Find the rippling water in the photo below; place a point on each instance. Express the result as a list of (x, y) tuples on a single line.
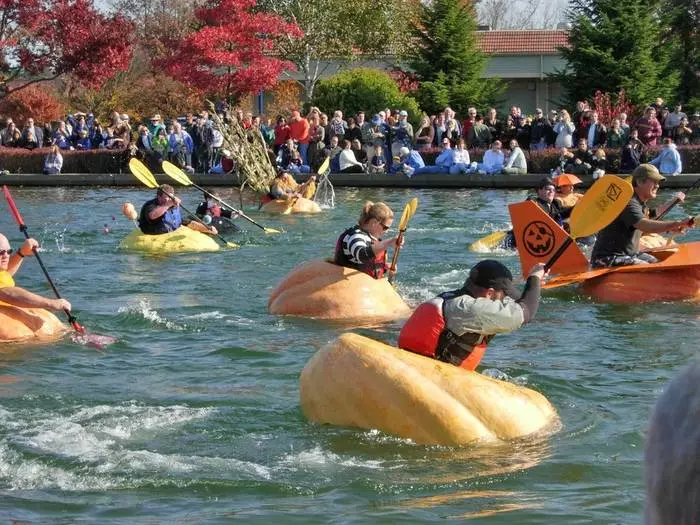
[(193, 416)]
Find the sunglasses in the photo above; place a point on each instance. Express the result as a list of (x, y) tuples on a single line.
[(6, 252), (384, 226)]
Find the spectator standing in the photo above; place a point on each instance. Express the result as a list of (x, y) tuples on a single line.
[(282, 133), (332, 151), (96, 138), (649, 128), (451, 115), (668, 161), (616, 137), (564, 130), (631, 153), (579, 114), (53, 162), (153, 124), (316, 144), (181, 147), (268, 133), (595, 134), (495, 126), (516, 164), (673, 120), (682, 134), (440, 128), (540, 132), (299, 131), (468, 123), (479, 134), (337, 126), (32, 136), (625, 127), (161, 145), (353, 132), (423, 137), (61, 137), (48, 135), (11, 136)]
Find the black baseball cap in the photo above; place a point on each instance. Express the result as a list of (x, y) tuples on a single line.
[(493, 274), (544, 182)]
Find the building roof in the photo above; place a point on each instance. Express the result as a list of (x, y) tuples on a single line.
[(530, 42)]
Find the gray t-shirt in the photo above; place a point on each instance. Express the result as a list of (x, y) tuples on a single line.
[(620, 237), (482, 315)]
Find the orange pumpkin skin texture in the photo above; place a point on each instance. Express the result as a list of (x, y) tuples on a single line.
[(323, 290), (29, 324), (301, 205), (362, 383)]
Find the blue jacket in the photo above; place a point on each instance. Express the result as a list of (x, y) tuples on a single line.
[(186, 139), (446, 158), (414, 160), (668, 160)]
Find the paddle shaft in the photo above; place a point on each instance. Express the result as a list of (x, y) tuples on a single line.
[(23, 228), (197, 219), (239, 212), (676, 201), (395, 257), (556, 255)]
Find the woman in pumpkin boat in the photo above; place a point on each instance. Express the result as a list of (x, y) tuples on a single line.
[(361, 247)]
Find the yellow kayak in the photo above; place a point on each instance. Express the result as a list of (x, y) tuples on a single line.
[(358, 382), (182, 240), (29, 324)]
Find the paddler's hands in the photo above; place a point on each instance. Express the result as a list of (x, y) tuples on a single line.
[(679, 196), (174, 202), (681, 226), (538, 271), (60, 304), (28, 247), (213, 230)]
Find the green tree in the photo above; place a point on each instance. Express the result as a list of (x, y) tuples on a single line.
[(363, 89), (684, 32), (446, 58), (337, 33), (617, 45)]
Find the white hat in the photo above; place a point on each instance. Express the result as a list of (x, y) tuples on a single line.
[(404, 151), (226, 153), (403, 113)]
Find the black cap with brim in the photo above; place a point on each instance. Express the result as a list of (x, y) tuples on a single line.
[(493, 274)]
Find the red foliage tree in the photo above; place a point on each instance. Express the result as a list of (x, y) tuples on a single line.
[(44, 39), (610, 106), (40, 103), (232, 54), (407, 82)]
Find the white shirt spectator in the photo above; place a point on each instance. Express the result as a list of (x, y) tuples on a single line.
[(493, 159), (461, 156), (347, 159), (516, 159)]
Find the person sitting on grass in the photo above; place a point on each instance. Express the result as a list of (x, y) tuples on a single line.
[(409, 162), (10, 293)]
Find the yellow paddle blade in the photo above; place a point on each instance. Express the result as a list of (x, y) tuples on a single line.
[(141, 172), (271, 230), (176, 173), (489, 242), (324, 166), (408, 212), (600, 205)]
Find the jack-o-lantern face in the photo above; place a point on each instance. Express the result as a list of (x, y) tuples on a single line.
[(538, 239)]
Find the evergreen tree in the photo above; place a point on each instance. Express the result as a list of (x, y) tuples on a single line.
[(684, 33), (617, 44), (446, 58)]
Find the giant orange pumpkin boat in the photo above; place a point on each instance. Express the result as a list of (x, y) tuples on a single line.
[(675, 277), (323, 290)]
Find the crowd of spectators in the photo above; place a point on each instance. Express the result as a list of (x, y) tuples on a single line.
[(386, 142)]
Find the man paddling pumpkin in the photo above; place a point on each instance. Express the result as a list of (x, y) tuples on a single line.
[(10, 261), (456, 326), (618, 243), (162, 215)]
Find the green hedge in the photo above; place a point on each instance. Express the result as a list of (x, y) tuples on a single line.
[(20, 160)]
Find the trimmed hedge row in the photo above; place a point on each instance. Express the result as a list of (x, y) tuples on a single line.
[(19, 160)]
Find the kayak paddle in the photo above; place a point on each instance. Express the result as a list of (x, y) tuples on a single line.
[(677, 200), (141, 172), (94, 340), (599, 206), (408, 212), (180, 176)]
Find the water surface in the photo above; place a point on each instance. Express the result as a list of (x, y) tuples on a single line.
[(193, 416)]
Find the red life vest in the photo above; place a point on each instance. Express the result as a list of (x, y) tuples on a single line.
[(426, 333)]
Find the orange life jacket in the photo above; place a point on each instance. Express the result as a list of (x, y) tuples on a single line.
[(426, 333)]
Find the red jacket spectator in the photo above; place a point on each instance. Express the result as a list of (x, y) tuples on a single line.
[(649, 128), (299, 128), (282, 132)]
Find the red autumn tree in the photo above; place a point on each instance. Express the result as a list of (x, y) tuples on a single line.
[(44, 39), (232, 55), (40, 103)]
